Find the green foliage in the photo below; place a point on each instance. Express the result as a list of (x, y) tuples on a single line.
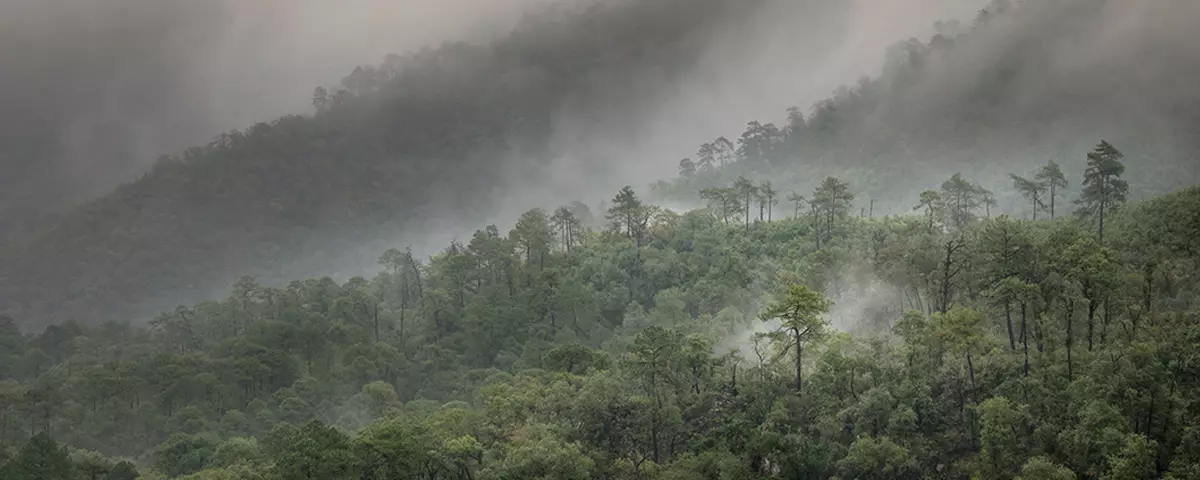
[(41, 458), (1032, 190), (377, 155), (1042, 468), (123, 470), (236, 451), (560, 352), (629, 215), (1103, 188), (91, 465), (800, 313), (1002, 427), (877, 459), (960, 200), (831, 200), (1050, 177), (183, 454), (1137, 459), (534, 356), (931, 204), (314, 451), (575, 358), (1186, 463), (537, 454), (399, 446)]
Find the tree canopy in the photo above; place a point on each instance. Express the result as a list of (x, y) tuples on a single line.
[(957, 339), (704, 348)]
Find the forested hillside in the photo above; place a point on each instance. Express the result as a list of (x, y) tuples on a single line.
[(1023, 83), (439, 133), (775, 335), (979, 264), (428, 141)]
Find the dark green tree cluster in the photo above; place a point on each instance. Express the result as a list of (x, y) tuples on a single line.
[(661, 345)]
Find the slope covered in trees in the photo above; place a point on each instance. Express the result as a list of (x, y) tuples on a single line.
[(1022, 83), (434, 133), (736, 341), (441, 135)]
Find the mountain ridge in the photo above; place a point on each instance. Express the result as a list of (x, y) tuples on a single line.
[(972, 97)]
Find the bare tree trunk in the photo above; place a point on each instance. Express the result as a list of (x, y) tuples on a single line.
[(417, 275), (1148, 287), (747, 211), (1070, 337), (1052, 195), (1105, 319), (654, 438), (375, 320), (799, 362), (1012, 343), (1092, 306), (945, 287), (403, 307), (1150, 413), (1039, 336), (971, 369), (1025, 338), (829, 224)]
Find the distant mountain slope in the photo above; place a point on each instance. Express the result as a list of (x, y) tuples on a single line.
[(1023, 83), (449, 132), (436, 132), (92, 91)]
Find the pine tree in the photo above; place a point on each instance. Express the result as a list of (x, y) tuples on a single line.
[(687, 169), (768, 194), (961, 199), (122, 471), (1031, 190), (629, 214), (1103, 189), (706, 157), (746, 191), (931, 203), (831, 200), (40, 459), (1051, 176), (800, 314), (798, 201), (566, 226)]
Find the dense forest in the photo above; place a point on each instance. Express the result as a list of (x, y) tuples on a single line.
[(433, 140), (890, 286), (770, 335)]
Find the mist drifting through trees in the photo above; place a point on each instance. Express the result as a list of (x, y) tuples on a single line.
[(615, 239)]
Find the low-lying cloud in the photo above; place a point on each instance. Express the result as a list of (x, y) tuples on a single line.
[(91, 92)]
